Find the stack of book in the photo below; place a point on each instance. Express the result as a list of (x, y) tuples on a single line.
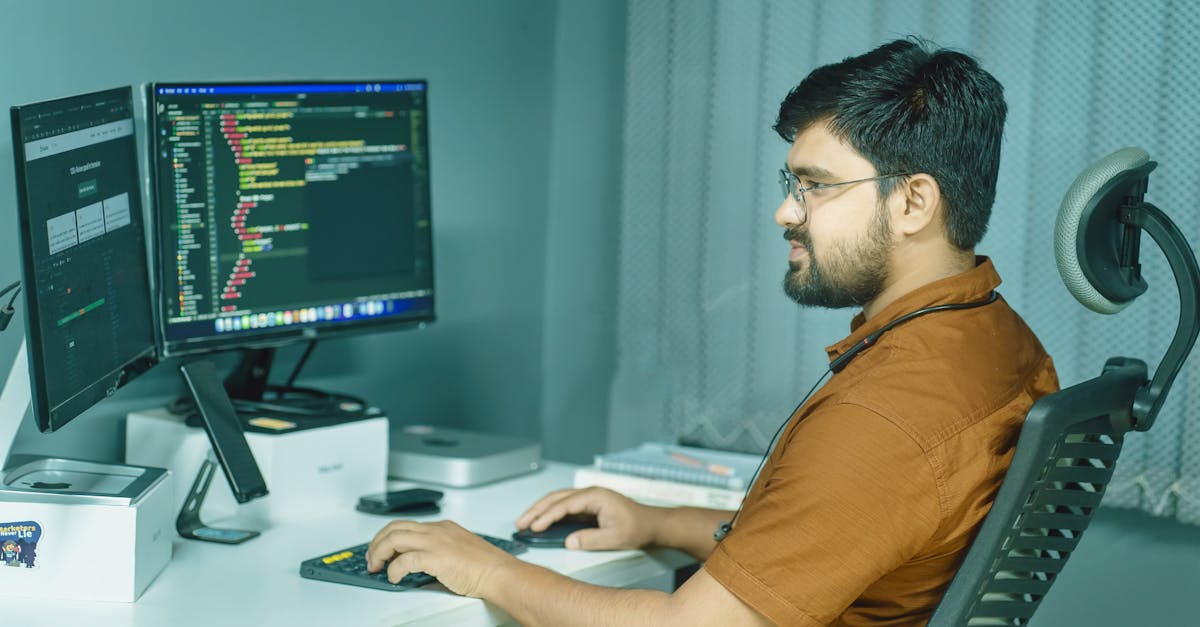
[(657, 473)]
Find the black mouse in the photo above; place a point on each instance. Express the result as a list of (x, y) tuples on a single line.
[(555, 536)]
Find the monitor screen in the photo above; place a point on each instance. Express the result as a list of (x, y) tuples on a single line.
[(289, 211), (83, 249)]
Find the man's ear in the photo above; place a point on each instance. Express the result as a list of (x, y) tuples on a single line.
[(918, 204)]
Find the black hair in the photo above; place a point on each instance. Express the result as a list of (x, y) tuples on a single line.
[(910, 107)]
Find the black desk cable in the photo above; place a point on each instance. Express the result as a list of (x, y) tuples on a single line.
[(6, 314)]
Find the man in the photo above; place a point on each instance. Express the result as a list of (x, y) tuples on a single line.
[(868, 503)]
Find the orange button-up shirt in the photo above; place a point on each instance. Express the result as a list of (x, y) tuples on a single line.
[(868, 504)]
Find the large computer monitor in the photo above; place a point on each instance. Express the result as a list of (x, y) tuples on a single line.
[(88, 313), (289, 211)]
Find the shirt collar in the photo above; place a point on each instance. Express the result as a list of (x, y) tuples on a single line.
[(967, 287)]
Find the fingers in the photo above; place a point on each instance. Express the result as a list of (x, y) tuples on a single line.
[(443, 549), (404, 564), (395, 538), (394, 526), (594, 540), (537, 509), (582, 502)]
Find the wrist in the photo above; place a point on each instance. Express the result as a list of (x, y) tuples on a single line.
[(500, 578), (657, 522)]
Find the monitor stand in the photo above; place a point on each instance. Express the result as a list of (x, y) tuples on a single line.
[(248, 381), (252, 395)]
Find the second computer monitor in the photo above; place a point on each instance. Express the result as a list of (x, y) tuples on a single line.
[(85, 280), (289, 210)]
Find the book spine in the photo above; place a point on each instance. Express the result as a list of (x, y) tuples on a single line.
[(658, 491)]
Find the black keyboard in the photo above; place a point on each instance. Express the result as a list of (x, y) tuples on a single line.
[(349, 566)]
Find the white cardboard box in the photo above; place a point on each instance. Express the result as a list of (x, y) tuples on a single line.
[(106, 542), (307, 470)]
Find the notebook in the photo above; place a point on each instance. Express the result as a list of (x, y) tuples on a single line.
[(685, 464)]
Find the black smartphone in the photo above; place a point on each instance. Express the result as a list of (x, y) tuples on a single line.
[(414, 501), (555, 536)]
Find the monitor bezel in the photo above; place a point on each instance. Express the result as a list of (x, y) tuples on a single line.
[(123, 374), (279, 336)]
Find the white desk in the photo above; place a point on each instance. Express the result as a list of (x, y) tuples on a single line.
[(258, 583)]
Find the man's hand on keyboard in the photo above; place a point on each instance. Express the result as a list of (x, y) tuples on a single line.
[(459, 559)]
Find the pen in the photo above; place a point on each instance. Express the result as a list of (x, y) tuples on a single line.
[(715, 469)]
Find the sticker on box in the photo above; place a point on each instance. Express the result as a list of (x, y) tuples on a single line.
[(18, 543)]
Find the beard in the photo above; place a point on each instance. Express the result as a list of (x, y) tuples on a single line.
[(850, 276)]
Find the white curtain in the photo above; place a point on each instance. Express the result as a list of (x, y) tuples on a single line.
[(709, 349)]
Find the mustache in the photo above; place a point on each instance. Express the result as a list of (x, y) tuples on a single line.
[(798, 234)]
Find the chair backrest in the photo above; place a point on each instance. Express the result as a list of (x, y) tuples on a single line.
[(1070, 442), (1063, 462)]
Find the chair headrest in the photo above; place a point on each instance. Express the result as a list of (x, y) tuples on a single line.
[(1075, 216)]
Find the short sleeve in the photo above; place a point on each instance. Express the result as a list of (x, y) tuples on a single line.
[(850, 498)]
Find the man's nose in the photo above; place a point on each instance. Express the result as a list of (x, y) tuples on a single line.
[(787, 212)]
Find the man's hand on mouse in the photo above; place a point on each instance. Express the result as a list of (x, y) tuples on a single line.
[(624, 524)]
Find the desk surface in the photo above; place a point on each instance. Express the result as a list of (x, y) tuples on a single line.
[(258, 583)]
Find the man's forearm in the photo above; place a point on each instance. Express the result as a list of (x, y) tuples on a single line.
[(537, 596), (688, 529)]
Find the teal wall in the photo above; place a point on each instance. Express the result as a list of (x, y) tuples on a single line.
[(522, 93), (581, 249)]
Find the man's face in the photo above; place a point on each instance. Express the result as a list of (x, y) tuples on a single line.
[(840, 255)]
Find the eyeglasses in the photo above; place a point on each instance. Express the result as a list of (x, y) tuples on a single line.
[(792, 187)]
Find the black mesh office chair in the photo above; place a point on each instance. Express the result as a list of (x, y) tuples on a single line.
[(1070, 442)]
